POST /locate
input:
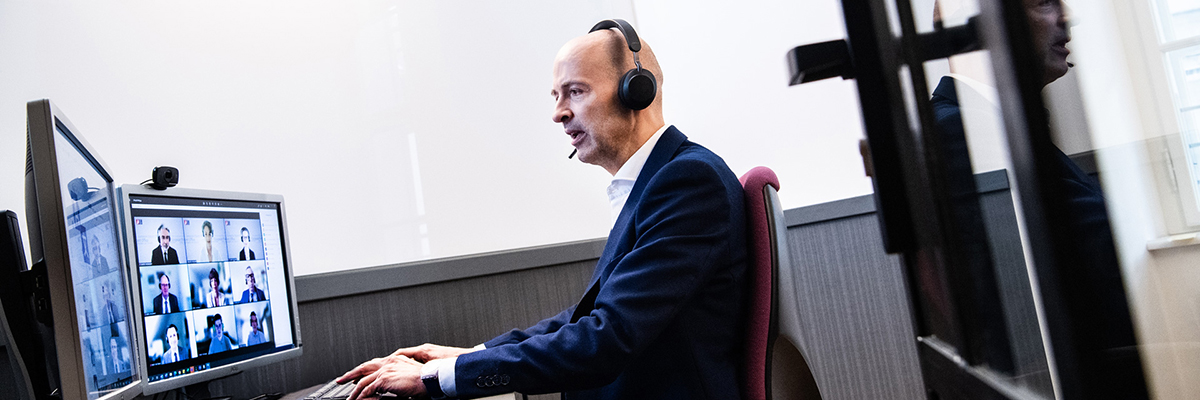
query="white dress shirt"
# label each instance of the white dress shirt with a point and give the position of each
(618, 194)
(623, 180)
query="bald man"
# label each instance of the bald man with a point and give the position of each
(660, 317)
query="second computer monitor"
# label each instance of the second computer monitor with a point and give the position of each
(74, 241)
(214, 283)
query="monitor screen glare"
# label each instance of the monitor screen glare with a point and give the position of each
(95, 262)
(212, 282)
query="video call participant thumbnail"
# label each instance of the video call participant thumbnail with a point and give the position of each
(247, 253)
(205, 243)
(118, 364)
(92, 255)
(219, 341)
(99, 261)
(110, 310)
(164, 254)
(244, 239)
(173, 351)
(165, 302)
(215, 295)
(255, 334)
(87, 304)
(252, 292)
(93, 353)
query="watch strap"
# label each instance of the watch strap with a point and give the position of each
(432, 386)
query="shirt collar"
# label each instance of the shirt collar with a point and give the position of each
(633, 166)
(626, 176)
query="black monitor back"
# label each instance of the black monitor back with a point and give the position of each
(32, 338)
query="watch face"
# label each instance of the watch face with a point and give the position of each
(432, 387)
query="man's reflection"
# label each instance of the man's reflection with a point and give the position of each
(1092, 271)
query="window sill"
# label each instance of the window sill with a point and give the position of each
(1180, 240)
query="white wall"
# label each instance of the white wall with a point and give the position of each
(400, 131)
(726, 87)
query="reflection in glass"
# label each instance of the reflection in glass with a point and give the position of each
(1180, 19)
(967, 112)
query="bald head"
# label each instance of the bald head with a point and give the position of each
(587, 72)
(607, 51)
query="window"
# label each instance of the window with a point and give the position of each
(1178, 25)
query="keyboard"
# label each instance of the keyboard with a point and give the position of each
(334, 391)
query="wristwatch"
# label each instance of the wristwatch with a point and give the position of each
(429, 377)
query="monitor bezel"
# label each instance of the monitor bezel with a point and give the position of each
(52, 239)
(125, 206)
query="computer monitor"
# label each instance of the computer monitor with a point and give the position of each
(215, 292)
(83, 294)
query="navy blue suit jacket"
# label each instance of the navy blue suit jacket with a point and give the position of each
(246, 295)
(660, 319)
(173, 304)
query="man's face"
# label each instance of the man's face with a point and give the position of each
(164, 238)
(172, 337)
(95, 247)
(112, 347)
(250, 278)
(245, 240)
(164, 284)
(584, 86)
(218, 328)
(1048, 26)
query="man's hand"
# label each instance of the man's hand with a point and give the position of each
(365, 369)
(429, 351)
(392, 374)
(401, 377)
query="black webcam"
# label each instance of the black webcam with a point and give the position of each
(164, 177)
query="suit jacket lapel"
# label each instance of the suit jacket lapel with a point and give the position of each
(663, 151)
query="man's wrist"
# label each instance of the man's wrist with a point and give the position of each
(429, 378)
(445, 368)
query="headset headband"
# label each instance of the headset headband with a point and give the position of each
(637, 87)
(631, 37)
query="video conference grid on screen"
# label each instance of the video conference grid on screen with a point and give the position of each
(95, 271)
(207, 269)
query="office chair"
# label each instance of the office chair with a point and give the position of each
(771, 369)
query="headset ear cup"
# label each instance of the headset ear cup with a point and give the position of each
(638, 88)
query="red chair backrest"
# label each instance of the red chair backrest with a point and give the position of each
(759, 300)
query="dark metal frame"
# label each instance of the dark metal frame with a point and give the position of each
(961, 337)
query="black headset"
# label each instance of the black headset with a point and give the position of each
(638, 86)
